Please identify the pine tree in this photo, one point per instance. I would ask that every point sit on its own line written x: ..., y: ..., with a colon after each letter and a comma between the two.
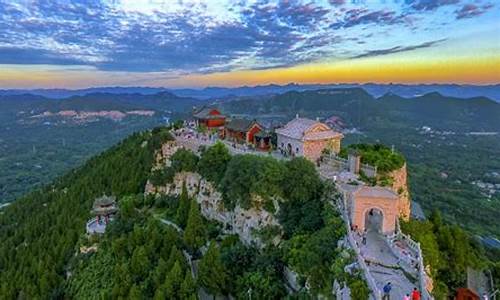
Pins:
x: 160, y: 273
x: 195, y: 234
x: 140, y: 263
x: 211, y: 272
x: 184, y: 207
x: 176, y: 256
x: 188, y: 287
x: 174, y: 282
x: 135, y: 293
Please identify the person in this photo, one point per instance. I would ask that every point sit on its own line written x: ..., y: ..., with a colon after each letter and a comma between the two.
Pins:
x: 387, y: 291
x: 406, y: 297
x: 485, y: 296
x: 415, y: 295
x: 364, y: 239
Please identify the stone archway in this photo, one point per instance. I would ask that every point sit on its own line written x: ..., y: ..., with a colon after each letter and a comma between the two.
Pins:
x: 374, y: 219
x: 381, y: 201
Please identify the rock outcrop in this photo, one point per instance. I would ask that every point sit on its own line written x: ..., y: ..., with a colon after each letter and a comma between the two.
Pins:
x: 244, y: 222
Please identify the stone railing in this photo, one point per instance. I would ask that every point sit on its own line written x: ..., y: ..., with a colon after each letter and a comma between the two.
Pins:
x: 414, y: 246
x: 372, y: 284
x: 369, y: 170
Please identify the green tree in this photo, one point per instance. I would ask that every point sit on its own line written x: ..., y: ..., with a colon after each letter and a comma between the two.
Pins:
x: 160, y: 273
x: 359, y: 289
x: 140, y: 264
x: 211, y: 272
x: 183, y: 209
x: 213, y: 162
x: 301, y: 181
x: 260, y: 286
x: 176, y: 256
x: 135, y: 293
x: 184, y: 160
x: 188, y: 287
x: 174, y: 281
x: 195, y: 234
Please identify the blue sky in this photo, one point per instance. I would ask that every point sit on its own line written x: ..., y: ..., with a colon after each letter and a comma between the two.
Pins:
x: 159, y: 42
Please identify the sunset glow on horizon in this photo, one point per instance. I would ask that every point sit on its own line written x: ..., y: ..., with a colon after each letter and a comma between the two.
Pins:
x: 194, y: 44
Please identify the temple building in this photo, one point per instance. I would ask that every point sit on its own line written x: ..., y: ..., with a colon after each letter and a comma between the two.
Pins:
x: 242, y: 130
x: 307, y: 138
x: 104, y: 210
x: 262, y: 140
x: 209, y: 117
x: 373, y: 206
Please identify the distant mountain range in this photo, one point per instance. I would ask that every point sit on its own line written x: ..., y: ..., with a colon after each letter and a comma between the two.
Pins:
x: 376, y: 90
x: 162, y: 101
x: 361, y: 109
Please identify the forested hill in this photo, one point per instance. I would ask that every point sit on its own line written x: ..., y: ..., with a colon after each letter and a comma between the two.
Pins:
x: 360, y: 109
x: 39, y: 232
x: 99, y: 101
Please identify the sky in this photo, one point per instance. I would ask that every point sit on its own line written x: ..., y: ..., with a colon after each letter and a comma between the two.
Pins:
x: 192, y: 43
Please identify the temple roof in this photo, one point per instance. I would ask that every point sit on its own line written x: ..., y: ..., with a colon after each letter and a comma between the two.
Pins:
x: 104, y: 201
x: 204, y: 113
x: 375, y: 192
x: 298, y: 129
x: 241, y: 124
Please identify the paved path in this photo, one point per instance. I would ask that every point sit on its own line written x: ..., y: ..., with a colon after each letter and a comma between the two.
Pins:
x: 170, y: 223
x: 384, y: 265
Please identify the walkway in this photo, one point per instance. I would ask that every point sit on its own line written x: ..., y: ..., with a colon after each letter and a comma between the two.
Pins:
x: 169, y: 223
x: 385, y: 266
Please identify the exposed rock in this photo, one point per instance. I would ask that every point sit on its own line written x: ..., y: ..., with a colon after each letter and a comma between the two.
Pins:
x: 244, y: 222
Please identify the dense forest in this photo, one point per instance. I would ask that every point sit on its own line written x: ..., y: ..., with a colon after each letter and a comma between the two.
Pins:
x: 40, y: 231
x: 45, y: 253
x: 139, y: 257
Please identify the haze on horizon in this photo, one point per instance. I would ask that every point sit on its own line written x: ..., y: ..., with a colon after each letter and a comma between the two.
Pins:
x: 77, y: 44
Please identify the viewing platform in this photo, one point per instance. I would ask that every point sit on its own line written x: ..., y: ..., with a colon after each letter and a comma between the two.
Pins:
x: 104, y: 209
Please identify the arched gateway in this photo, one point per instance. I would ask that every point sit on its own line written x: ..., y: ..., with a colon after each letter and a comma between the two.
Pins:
x: 374, y: 208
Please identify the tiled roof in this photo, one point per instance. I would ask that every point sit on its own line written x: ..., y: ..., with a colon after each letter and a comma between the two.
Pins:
x: 297, y: 128
x: 240, y: 124
x: 204, y: 113
x: 375, y: 192
x: 104, y: 200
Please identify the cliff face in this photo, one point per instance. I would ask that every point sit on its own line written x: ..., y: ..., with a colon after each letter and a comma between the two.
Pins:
x: 243, y: 222
x: 400, y: 186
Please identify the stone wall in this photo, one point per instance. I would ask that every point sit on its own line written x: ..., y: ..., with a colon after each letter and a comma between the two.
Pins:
x: 400, y: 186
x: 283, y: 142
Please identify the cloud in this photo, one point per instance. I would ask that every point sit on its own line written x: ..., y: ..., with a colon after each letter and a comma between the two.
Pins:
x: 193, y: 37
x: 337, y: 2
x: 361, y: 16
x: 472, y: 10
x: 428, y: 5
x: 398, y: 49
x: 9, y: 55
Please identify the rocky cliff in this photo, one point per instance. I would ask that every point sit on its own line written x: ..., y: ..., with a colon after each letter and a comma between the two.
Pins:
x: 244, y: 222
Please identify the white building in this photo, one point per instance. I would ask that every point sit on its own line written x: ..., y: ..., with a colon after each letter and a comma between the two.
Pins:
x: 307, y: 138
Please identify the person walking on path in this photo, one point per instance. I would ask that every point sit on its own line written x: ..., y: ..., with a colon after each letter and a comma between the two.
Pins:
x: 415, y: 295
x: 387, y: 291
x: 406, y: 297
